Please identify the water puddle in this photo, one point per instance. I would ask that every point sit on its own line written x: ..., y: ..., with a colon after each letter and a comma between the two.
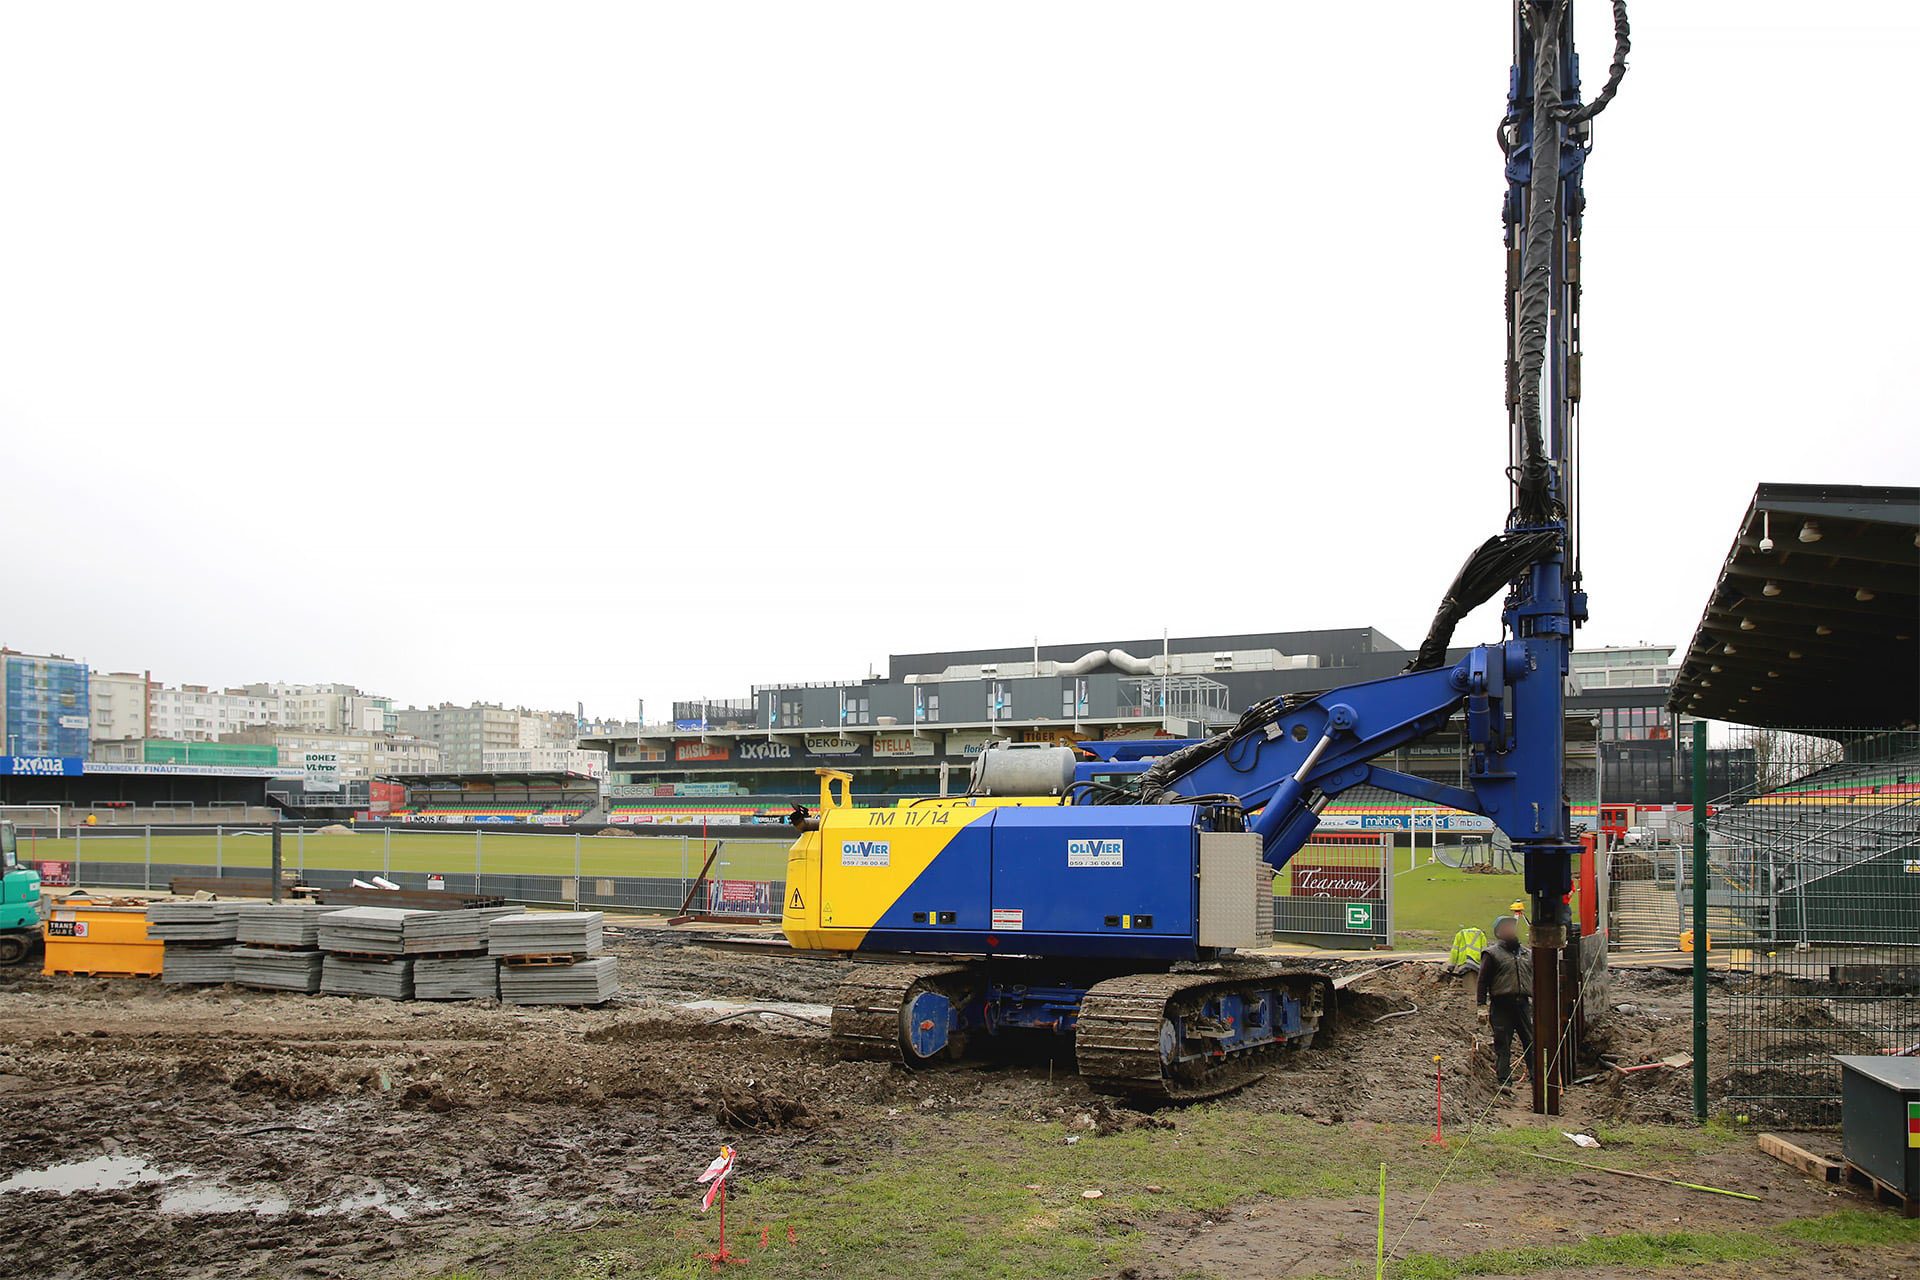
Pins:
x: 100, y: 1173
x: 768, y: 1010
x: 197, y: 1199
x: 188, y: 1194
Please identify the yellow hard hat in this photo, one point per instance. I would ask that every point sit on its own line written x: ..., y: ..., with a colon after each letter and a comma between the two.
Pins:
x: 1518, y: 908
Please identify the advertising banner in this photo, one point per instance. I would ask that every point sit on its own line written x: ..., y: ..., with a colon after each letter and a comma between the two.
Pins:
x: 709, y: 752
x: 887, y: 745
x: 831, y: 746
x: 763, y: 752
x: 1337, y: 881
x: 741, y: 898
x: 638, y: 753
x: 42, y: 766
x: 321, y: 771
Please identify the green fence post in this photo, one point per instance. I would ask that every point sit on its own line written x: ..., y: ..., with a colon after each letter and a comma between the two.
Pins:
x: 476, y: 859
x: 300, y: 851
x: 1700, y: 920
x: 386, y: 846
x: 219, y: 850
x: 146, y: 881
x: 576, y: 868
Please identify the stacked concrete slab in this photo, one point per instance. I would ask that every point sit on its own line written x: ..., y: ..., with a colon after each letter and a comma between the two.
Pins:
x: 199, y: 937
x: 283, y: 924
x: 456, y: 978
x: 196, y: 963
x: 582, y: 982
x: 365, y: 930
x: 546, y: 933
x: 277, y: 968
x: 345, y: 975
x: 451, y: 932
x: 553, y: 957
x: 193, y: 921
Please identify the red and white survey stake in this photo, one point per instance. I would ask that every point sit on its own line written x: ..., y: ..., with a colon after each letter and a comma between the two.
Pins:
x: 716, y: 1175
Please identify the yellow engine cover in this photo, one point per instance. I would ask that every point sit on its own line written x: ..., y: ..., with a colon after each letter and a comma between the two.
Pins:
x: 842, y: 878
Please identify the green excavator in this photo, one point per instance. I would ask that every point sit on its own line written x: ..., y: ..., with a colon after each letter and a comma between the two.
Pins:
x: 19, y: 900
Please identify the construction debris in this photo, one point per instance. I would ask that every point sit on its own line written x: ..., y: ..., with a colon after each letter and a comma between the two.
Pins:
x: 375, y: 931
x: 548, y: 933
x: 1644, y: 1177
x: 288, y: 924
x: 206, y: 920
x: 456, y: 978
x: 583, y: 982
x: 277, y: 969
x: 196, y: 965
x: 343, y: 975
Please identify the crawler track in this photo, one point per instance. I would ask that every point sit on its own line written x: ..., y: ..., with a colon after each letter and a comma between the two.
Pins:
x: 1118, y: 1040
x: 866, y: 1008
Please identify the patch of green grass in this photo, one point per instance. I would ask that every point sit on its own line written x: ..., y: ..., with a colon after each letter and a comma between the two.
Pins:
x: 989, y: 1198
x: 1435, y: 900
x: 1850, y: 1228
x: 452, y: 851
x: 1854, y: 1227
x: 1634, y: 1250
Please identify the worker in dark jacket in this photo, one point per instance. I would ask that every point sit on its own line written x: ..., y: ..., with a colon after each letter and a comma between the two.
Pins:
x: 1504, y: 995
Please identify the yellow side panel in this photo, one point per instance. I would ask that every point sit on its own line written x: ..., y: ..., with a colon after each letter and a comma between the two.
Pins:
x: 842, y: 878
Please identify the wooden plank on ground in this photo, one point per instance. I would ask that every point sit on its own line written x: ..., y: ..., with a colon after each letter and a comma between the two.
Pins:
x: 1814, y: 1166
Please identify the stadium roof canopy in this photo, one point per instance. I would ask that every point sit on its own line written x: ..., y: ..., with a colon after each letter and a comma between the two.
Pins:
x: 533, y: 778
x: 1812, y: 622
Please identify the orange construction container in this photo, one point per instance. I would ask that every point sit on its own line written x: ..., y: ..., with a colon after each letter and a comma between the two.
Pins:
x: 89, y: 937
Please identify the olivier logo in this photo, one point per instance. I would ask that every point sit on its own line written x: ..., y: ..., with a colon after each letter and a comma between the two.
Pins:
x: 865, y: 853
x: 1095, y: 853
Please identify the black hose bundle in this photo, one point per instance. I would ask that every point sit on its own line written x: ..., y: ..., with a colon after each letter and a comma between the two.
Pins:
x: 1546, y: 23
x: 1161, y: 773
x: 1544, y: 20
x: 1495, y: 563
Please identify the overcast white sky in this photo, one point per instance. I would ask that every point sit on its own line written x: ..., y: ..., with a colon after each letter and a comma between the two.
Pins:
x: 556, y: 353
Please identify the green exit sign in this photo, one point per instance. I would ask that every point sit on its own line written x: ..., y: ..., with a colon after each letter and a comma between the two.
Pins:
x: 1360, y: 916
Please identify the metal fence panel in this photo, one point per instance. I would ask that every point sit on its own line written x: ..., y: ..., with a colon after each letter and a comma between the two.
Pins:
x: 1814, y: 900
x: 1337, y: 892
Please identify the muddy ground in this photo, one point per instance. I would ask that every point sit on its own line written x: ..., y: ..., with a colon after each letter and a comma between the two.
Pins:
x: 233, y: 1132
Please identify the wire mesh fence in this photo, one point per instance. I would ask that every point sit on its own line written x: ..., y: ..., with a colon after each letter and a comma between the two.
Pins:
x: 1337, y: 892
x: 1814, y: 899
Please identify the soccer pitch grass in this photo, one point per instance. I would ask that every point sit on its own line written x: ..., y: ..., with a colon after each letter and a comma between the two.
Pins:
x: 454, y: 851
x: 1432, y: 900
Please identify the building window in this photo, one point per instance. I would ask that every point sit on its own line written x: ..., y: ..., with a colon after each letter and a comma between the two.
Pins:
x: 790, y: 714
x: 1067, y: 708
x: 933, y: 706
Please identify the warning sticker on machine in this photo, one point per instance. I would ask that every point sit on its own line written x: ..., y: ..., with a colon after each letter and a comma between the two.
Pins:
x: 864, y: 853
x: 1009, y: 918
x: 1095, y: 853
